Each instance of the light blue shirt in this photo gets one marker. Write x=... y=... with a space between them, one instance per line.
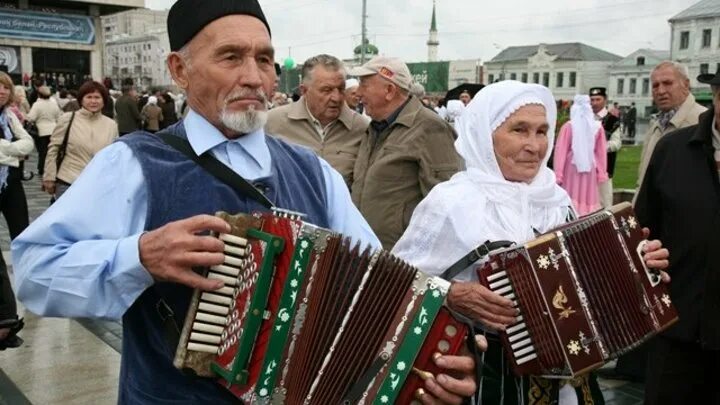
x=81 y=257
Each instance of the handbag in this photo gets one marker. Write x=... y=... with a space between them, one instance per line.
x=63 y=147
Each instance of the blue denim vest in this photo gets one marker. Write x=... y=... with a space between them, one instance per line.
x=177 y=188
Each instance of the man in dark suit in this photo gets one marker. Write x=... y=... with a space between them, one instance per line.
x=127 y=113
x=679 y=200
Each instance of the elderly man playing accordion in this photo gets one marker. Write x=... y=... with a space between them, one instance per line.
x=506 y=193
x=128 y=232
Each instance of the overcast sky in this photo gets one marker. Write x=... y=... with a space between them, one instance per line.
x=468 y=29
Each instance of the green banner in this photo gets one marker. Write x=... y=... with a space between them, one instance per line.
x=432 y=75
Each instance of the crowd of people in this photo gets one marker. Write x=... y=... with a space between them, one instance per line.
x=364 y=152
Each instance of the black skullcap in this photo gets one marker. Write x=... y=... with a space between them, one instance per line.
x=598 y=91
x=188 y=17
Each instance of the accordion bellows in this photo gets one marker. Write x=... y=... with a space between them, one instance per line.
x=306 y=317
x=584 y=293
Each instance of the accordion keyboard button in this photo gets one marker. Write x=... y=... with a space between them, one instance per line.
x=235 y=240
x=518 y=327
x=521 y=344
x=203 y=327
x=526 y=359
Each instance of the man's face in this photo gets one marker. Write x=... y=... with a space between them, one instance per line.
x=465 y=98
x=231 y=73
x=324 y=93
x=351 y=97
x=597 y=103
x=669 y=89
x=373 y=92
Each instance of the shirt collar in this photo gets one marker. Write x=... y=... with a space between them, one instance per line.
x=203 y=136
x=602 y=113
x=380 y=126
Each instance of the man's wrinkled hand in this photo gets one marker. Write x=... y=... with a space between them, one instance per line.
x=170 y=252
x=451 y=386
x=655 y=256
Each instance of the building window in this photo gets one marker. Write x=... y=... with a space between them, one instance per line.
x=707 y=37
x=536 y=78
x=704 y=68
x=513 y=76
x=560 y=79
x=546 y=79
x=633 y=86
x=641 y=61
x=646 y=87
x=573 y=79
x=685 y=40
x=524 y=77
x=620 y=86
x=491 y=78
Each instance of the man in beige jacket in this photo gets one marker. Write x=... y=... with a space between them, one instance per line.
x=321 y=120
x=406 y=151
x=678 y=109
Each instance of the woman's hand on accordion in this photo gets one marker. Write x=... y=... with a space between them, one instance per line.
x=170 y=252
x=655 y=256
x=480 y=304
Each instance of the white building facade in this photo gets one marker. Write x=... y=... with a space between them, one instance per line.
x=630 y=79
x=695 y=41
x=141 y=58
x=133 y=23
x=566 y=69
x=136 y=47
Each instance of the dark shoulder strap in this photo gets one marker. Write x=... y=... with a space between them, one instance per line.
x=217 y=169
x=470 y=258
x=63 y=147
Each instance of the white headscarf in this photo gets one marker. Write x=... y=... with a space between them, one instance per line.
x=455 y=109
x=584 y=127
x=478 y=204
x=152 y=100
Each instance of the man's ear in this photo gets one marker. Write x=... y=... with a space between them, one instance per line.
x=303 y=89
x=178 y=70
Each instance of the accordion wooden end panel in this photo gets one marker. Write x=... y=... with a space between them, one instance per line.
x=307 y=317
x=583 y=292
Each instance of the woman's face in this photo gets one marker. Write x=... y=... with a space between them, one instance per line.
x=521 y=143
x=93 y=102
x=4 y=94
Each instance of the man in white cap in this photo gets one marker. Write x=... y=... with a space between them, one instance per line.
x=321 y=120
x=406 y=151
x=351 y=97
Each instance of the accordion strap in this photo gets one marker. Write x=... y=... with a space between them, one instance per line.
x=217 y=169
x=474 y=255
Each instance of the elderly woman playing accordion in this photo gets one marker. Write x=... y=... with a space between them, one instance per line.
x=506 y=193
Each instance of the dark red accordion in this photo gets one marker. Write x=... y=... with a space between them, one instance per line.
x=584 y=293
x=307 y=318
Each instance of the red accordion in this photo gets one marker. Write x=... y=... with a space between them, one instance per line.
x=584 y=293
x=307 y=318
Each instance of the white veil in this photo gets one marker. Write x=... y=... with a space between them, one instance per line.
x=584 y=128
x=478 y=204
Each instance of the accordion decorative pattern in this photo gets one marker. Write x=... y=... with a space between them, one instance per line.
x=584 y=293
x=307 y=317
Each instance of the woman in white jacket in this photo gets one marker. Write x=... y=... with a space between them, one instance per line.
x=44 y=113
x=15 y=144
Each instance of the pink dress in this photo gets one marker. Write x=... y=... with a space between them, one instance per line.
x=582 y=187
